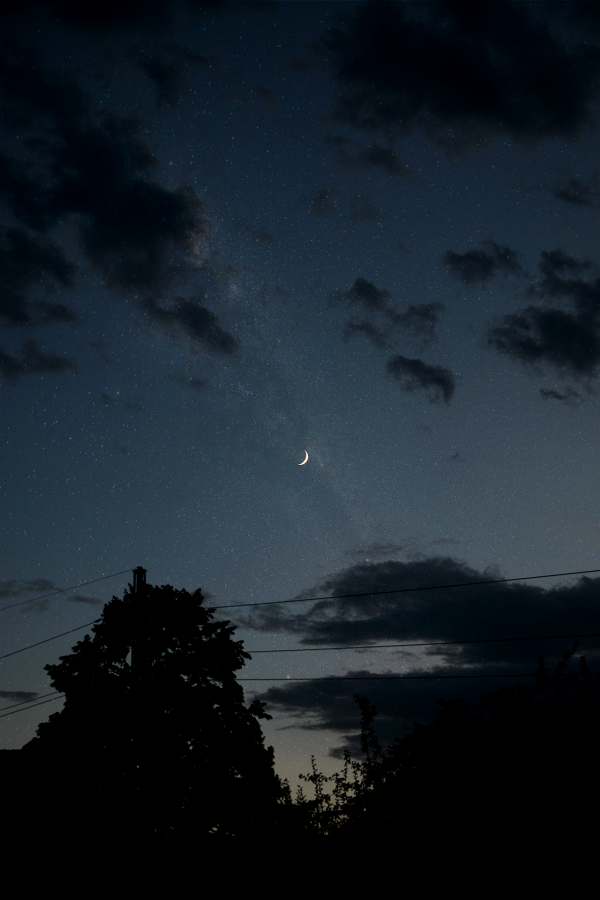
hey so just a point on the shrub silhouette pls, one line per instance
(522, 761)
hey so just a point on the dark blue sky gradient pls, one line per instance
(178, 449)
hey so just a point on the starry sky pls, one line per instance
(232, 233)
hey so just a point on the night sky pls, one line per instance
(233, 233)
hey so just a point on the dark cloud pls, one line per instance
(328, 704)
(378, 550)
(191, 382)
(579, 193)
(263, 237)
(104, 18)
(19, 696)
(569, 397)
(376, 156)
(192, 319)
(451, 614)
(481, 265)
(323, 203)
(386, 325)
(362, 209)
(107, 399)
(378, 303)
(566, 339)
(100, 349)
(132, 404)
(166, 65)
(268, 98)
(25, 262)
(92, 169)
(416, 375)
(370, 331)
(81, 598)
(365, 294)
(461, 71)
(32, 361)
(15, 588)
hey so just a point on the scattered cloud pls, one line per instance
(193, 320)
(483, 264)
(385, 326)
(166, 65)
(365, 294)
(367, 159)
(104, 19)
(324, 203)
(578, 192)
(569, 397)
(362, 209)
(81, 598)
(509, 610)
(378, 550)
(268, 99)
(100, 348)
(25, 261)
(460, 73)
(263, 237)
(416, 375)
(14, 588)
(370, 331)
(32, 361)
(19, 696)
(566, 339)
(418, 320)
(191, 382)
(90, 169)
(107, 399)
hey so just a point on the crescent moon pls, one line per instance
(304, 460)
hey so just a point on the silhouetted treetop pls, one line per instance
(153, 707)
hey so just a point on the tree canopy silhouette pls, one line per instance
(154, 728)
(519, 763)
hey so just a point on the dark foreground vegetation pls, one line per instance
(155, 747)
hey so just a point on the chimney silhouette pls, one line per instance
(139, 580)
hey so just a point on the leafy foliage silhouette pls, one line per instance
(520, 761)
(154, 733)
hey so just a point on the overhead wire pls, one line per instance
(25, 704)
(24, 708)
(47, 640)
(405, 677)
(545, 637)
(63, 590)
(30, 700)
(431, 587)
(336, 678)
(344, 596)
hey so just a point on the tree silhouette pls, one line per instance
(154, 732)
(520, 764)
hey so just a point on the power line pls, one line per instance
(31, 699)
(62, 590)
(547, 637)
(332, 678)
(53, 638)
(343, 596)
(24, 708)
(432, 587)
(396, 677)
